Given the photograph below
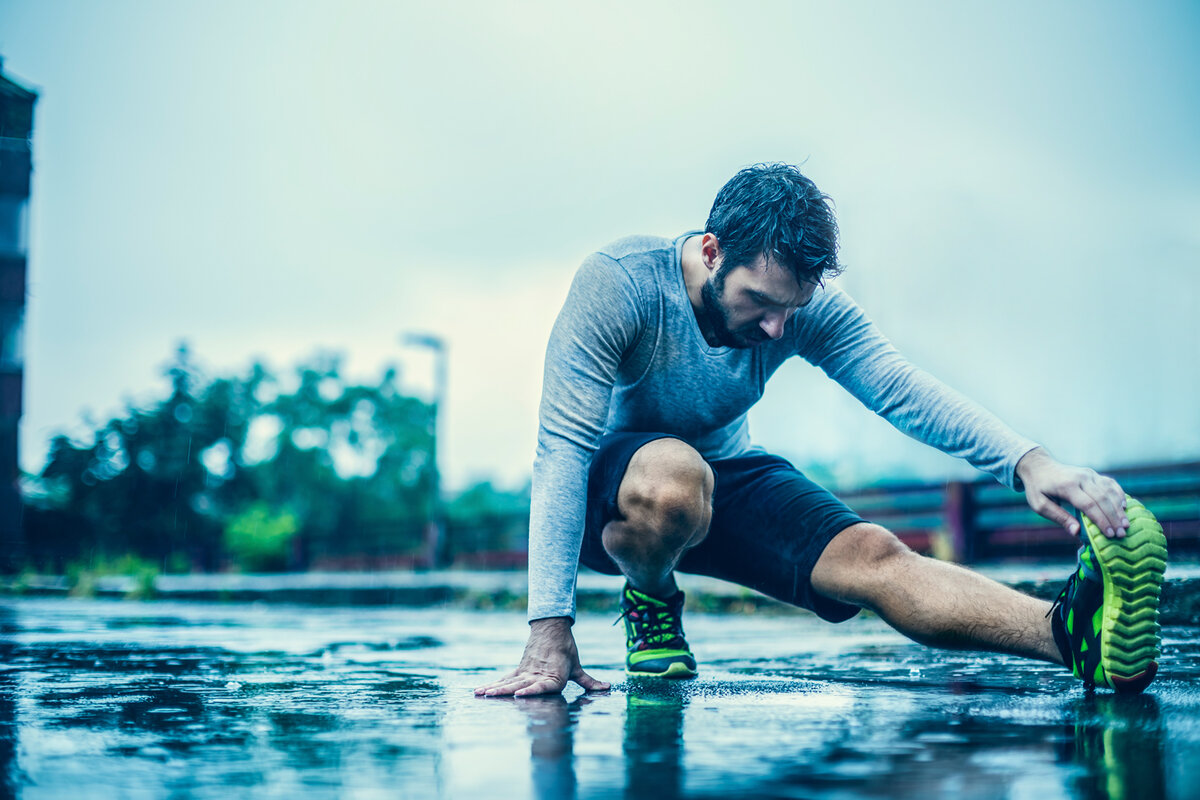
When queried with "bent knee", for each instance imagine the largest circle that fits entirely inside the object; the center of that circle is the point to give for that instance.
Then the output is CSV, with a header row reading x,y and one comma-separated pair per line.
x,y
667,486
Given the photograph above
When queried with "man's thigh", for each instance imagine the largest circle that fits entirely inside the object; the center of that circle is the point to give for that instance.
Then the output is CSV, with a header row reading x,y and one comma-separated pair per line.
x,y
770,526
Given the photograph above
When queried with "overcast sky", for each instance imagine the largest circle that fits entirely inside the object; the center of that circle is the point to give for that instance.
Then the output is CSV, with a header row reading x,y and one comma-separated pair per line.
x,y
1018,188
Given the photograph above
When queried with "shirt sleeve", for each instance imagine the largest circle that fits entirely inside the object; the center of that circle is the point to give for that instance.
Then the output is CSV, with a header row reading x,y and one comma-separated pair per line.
x,y
839,338
598,324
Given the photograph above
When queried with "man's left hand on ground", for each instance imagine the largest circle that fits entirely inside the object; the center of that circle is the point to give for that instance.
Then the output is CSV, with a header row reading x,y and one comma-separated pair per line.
x,y
1046,480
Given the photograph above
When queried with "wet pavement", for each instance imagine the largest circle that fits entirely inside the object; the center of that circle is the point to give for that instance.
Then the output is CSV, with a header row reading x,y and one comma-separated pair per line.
x,y
169,699
492,590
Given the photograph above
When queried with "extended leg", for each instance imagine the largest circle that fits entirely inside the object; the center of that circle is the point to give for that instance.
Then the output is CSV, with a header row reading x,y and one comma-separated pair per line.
x,y
932,602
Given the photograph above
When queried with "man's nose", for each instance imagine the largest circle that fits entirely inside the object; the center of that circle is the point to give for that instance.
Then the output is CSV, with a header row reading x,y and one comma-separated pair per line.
x,y
772,324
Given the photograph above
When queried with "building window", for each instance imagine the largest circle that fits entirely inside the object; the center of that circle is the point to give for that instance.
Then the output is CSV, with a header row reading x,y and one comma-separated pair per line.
x,y
12,225
12,335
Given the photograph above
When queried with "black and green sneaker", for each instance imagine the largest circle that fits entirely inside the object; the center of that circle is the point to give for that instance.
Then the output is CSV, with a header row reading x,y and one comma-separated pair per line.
x,y
654,636
1105,621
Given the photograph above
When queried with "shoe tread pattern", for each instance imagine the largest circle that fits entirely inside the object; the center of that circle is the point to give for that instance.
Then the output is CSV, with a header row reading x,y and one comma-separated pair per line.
x,y
1133,568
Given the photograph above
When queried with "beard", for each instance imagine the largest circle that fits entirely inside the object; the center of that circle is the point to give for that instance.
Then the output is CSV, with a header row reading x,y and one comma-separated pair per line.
x,y
717,317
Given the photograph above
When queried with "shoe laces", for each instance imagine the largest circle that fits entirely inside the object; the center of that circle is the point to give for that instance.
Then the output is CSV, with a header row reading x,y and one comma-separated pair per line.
x,y
1064,595
1061,600
653,623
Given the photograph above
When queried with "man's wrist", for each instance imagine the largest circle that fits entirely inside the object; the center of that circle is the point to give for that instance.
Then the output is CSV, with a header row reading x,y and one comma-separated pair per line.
x,y
551,623
1029,462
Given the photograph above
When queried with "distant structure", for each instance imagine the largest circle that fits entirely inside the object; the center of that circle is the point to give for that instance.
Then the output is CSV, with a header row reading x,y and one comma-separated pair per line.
x,y
16,165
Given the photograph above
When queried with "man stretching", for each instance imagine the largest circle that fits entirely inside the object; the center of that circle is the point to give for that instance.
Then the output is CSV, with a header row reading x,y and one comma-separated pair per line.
x,y
645,465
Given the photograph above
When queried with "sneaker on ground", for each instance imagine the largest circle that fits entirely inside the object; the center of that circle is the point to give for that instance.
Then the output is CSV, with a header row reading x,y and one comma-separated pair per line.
x,y
654,636
1105,621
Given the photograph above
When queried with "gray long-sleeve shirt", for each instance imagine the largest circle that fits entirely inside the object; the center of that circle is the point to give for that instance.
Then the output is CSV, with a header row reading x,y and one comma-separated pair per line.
x,y
626,354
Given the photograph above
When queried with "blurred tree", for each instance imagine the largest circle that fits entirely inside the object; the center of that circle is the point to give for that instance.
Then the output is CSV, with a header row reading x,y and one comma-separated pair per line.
x,y
482,500
349,465
137,487
488,527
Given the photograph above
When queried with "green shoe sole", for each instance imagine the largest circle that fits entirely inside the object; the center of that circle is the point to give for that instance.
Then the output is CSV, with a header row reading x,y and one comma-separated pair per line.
x,y
1133,576
677,670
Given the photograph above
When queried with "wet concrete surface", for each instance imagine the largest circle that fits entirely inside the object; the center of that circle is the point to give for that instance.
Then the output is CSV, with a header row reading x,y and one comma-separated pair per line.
x,y
476,590
104,699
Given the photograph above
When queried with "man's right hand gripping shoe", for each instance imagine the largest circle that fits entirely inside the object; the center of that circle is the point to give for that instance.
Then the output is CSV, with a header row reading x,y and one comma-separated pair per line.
x,y
654,636
1105,621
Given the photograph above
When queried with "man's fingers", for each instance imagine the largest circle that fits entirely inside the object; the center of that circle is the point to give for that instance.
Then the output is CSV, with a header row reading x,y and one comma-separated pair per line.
x,y
526,685
504,686
502,689
1053,512
490,688
498,682
518,683
1097,513
543,686
1104,503
1114,497
589,683
522,685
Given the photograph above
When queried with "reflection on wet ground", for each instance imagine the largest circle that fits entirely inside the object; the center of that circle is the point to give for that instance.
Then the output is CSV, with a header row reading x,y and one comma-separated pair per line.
x,y
109,699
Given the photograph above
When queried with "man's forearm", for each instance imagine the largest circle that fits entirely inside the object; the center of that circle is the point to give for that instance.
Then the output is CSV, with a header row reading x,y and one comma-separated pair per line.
x,y
556,520
851,350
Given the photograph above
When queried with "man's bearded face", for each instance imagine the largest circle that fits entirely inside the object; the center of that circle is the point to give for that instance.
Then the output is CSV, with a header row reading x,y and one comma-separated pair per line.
x,y
716,312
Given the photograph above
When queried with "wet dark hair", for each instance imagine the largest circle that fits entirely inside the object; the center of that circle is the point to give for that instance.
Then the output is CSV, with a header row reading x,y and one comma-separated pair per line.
x,y
773,210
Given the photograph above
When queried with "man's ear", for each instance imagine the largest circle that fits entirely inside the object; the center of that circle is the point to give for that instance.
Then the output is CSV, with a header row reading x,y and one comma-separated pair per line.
x,y
710,251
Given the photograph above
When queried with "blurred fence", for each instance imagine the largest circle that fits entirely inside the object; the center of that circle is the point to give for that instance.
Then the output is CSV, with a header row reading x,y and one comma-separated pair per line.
x,y
967,522
377,544
498,541
983,521
491,541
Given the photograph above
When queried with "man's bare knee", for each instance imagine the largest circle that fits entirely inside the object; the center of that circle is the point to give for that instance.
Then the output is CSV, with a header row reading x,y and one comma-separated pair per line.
x,y
859,562
875,546
667,490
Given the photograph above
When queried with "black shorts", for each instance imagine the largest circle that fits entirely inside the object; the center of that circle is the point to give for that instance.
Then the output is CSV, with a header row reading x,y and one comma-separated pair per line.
x,y
770,524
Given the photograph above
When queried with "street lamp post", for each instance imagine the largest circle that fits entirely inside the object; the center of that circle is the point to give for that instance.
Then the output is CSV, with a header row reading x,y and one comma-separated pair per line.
x,y
436,543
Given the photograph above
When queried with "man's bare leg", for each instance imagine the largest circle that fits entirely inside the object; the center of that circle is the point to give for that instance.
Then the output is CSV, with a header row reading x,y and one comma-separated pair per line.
x,y
665,502
664,505
932,602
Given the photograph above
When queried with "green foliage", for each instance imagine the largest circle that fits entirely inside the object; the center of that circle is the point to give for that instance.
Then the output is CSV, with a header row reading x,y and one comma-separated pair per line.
x,y
83,575
83,584
259,540
23,581
177,564
483,500
169,481
143,584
